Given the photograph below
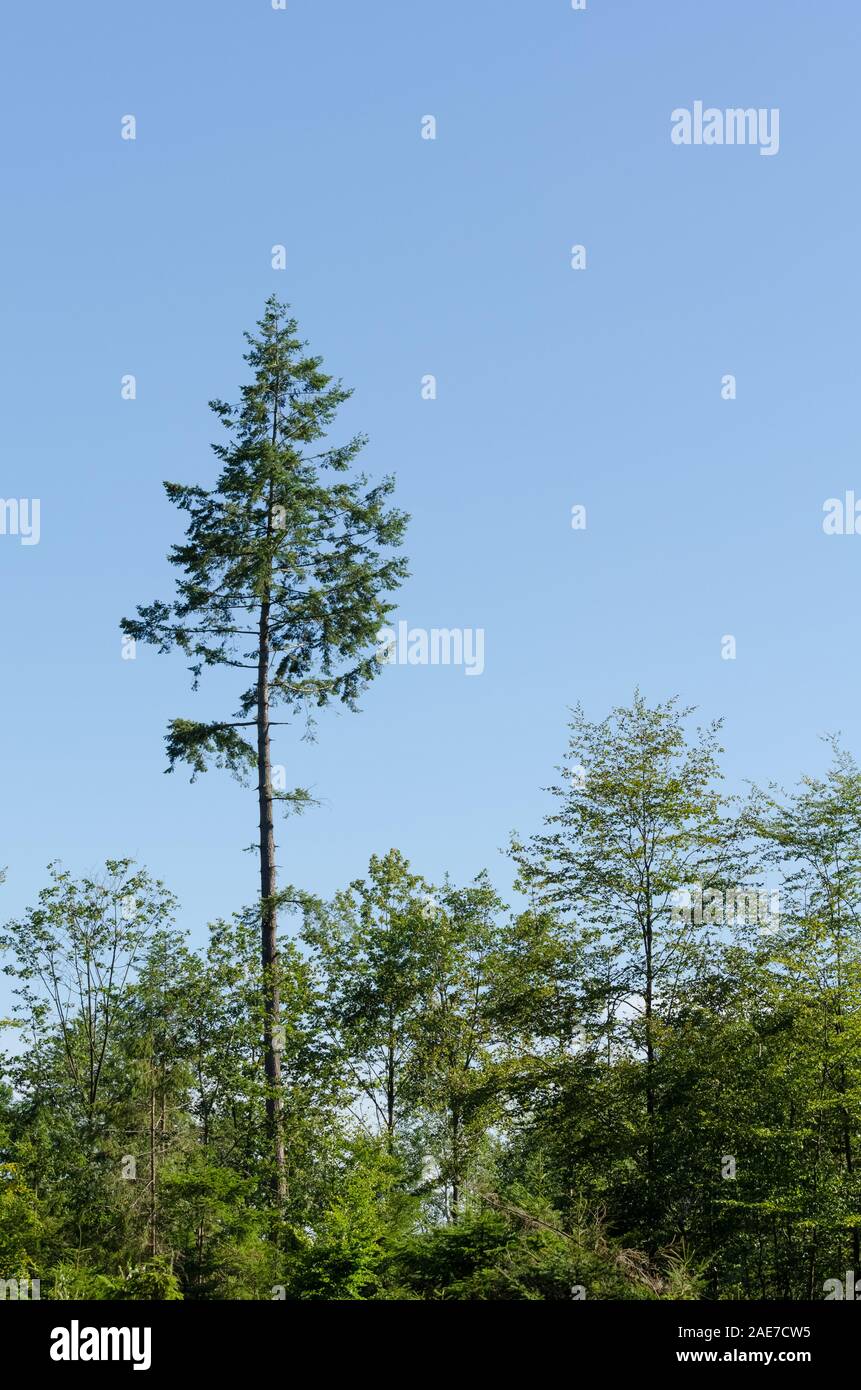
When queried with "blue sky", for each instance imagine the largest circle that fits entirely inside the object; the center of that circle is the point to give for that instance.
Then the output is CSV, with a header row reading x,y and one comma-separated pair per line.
x,y
556,387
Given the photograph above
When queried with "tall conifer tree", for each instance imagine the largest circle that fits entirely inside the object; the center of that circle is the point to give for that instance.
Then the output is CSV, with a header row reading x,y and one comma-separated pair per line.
x,y
284,572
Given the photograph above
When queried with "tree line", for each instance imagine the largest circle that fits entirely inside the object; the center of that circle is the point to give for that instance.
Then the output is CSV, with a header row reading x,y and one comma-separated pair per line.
x,y
631,1083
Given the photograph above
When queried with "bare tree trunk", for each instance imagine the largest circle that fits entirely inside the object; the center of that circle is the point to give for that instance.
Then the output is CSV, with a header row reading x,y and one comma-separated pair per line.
x,y
847,1132
650,1053
153,1243
454,1214
390,1087
269,939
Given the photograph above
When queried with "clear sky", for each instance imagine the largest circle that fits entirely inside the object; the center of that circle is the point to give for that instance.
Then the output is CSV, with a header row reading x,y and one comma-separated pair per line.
x,y
556,387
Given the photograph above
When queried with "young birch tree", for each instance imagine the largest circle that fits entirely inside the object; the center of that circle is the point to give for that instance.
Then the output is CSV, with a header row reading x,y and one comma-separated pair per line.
x,y
640,824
